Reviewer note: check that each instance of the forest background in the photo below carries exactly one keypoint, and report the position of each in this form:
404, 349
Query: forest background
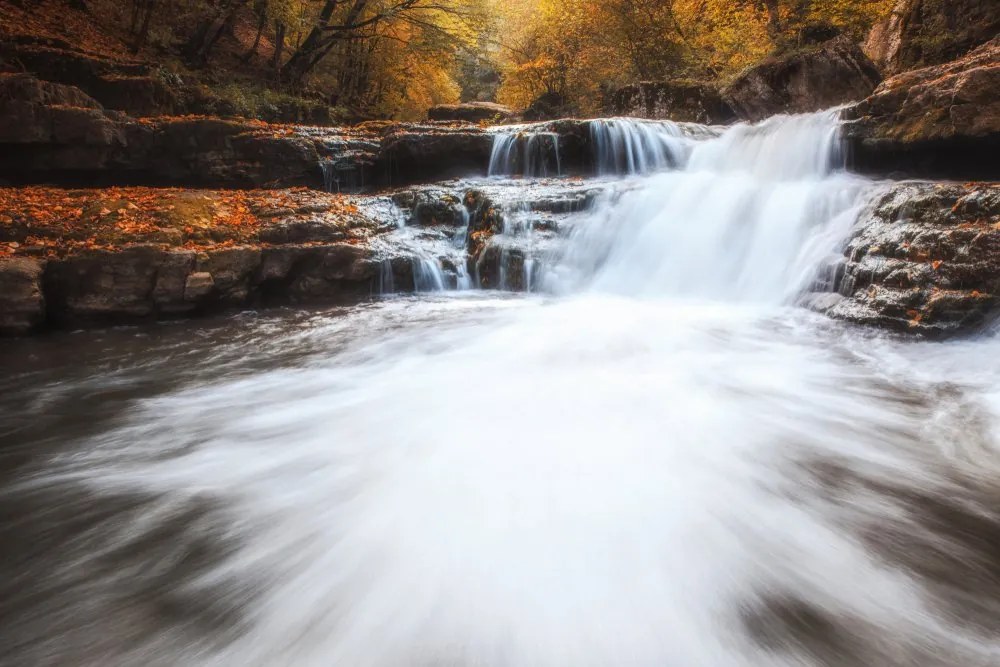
396, 58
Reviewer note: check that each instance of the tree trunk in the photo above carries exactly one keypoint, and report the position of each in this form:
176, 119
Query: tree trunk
773, 19
143, 34
211, 30
279, 47
319, 42
261, 9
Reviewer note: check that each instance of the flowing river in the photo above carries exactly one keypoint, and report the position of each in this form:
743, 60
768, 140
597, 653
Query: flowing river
657, 458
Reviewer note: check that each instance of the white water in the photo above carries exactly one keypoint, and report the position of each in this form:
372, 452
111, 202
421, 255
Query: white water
750, 215
521, 151
629, 475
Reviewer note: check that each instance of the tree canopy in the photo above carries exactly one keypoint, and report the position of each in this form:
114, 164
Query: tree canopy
394, 58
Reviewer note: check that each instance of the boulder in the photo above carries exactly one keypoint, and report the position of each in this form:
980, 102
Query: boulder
925, 259
938, 121
47, 126
471, 112
22, 301
681, 101
550, 106
919, 33
827, 75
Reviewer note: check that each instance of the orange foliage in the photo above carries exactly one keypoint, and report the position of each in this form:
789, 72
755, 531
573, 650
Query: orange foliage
51, 222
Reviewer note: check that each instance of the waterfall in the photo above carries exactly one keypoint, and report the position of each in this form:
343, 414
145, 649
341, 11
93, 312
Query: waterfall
525, 151
667, 467
630, 146
751, 214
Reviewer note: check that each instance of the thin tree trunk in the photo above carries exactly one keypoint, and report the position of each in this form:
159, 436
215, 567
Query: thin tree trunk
143, 34
318, 43
773, 19
261, 24
208, 35
279, 46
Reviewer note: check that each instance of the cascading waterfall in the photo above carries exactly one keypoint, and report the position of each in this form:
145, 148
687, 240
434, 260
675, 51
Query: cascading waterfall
750, 214
525, 151
630, 146
666, 466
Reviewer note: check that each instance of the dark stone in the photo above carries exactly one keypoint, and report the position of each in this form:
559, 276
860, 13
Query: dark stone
681, 101
550, 106
22, 302
924, 259
430, 207
811, 79
414, 154
471, 112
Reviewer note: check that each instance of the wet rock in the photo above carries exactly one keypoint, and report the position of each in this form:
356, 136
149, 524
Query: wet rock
300, 231
925, 258
431, 206
232, 271
680, 101
938, 121
833, 73
170, 290
198, 285
421, 154
22, 302
103, 286
471, 112
919, 33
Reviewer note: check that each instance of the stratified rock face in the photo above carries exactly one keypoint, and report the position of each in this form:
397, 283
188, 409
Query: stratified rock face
49, 125
422, 154
471, 112
51, 133
22, 302
939, 121
680, 101
831, 74
930, 32
925, 258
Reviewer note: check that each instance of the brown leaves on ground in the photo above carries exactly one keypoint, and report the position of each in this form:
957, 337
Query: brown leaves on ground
56, 20
53, 222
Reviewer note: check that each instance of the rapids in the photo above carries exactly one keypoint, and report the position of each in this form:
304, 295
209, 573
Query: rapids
658, 460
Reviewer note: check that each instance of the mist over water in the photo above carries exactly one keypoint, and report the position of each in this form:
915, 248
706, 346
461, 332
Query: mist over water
661, 461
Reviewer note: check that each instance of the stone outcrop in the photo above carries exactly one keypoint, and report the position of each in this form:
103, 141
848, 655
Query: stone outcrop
550, 106
919, 33
681, 101
830, 74
471, 112
72, 258
51, 133
938, 121
925, 258
142, 89
425, 153
22, 301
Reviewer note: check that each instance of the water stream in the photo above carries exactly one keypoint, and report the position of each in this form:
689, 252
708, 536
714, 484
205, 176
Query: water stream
658, 460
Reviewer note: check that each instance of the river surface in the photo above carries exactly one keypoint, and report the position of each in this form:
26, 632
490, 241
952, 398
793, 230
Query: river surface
659, 459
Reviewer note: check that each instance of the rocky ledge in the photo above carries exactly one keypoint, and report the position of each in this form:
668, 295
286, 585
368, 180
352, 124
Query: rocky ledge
941, 121
76, 258
925, 259
818, 77
56, 134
